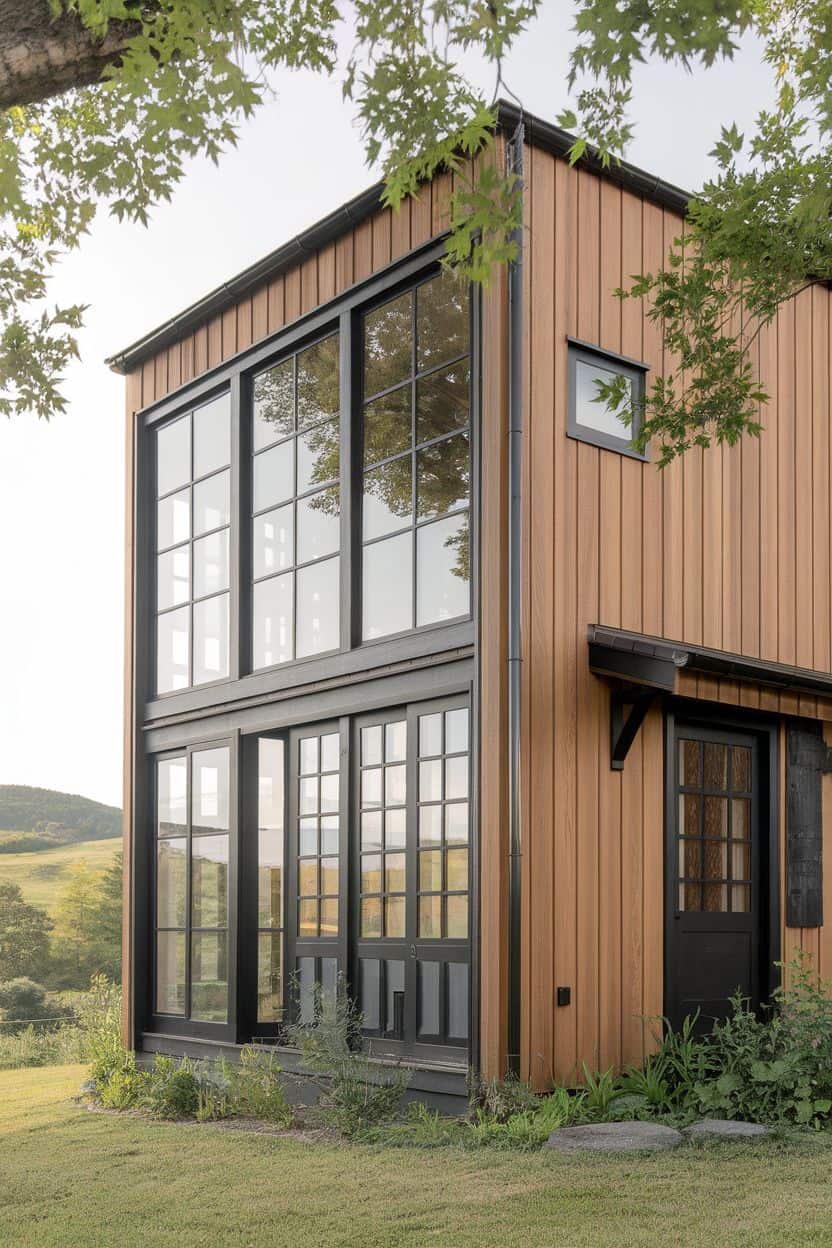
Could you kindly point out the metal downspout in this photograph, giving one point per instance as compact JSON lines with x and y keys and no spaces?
{"x":514,"y":164}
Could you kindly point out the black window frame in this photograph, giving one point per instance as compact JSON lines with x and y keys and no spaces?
{"x":636,"y":371}
{"x":343,"y":314}
{"x":184,"y":1024}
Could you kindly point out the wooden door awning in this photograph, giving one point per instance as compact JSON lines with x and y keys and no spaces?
{"x":644,"y":667}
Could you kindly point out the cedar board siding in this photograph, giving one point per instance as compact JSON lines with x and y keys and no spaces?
{"x":729,"y":548}
{"x":366,"y":249}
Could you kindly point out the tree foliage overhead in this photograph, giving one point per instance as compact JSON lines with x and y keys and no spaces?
{"x":191,"y":70}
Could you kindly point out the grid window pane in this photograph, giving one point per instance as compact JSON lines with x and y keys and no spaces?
{"x":211,"y":564}
{"x":273,"y":603}
{"x":318,"y":608}
{"x":274,"y":404}
{"x":269,"y":977}
{"x":173,"y":578}
{"x":714,"y":828}
{"x":193,"y":558}
{"x":173,"y":519}
{"x":273,"y":541}
{"x":172,"y":796}
{"x":171,"y":882}
{"x":170,"y":972}
{"x":211,"y":639}
{"x":173,"y":455}
{"x":318,"y":866}
{"x":410,"y":475}
{"x":212,"y":435}
{"x":388,"y":586}
{"x":209,"y":881}
{"x":442,"y":571}
{"x":212,"y":503}
{"x":209,"y":976}
{"x":173,"y":635}
{"x":297,"y":613}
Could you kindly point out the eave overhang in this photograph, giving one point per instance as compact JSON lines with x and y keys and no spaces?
{"x":652,"y":661}
{"x":538,"y":133}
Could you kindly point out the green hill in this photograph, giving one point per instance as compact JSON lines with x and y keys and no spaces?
{"x":41,"y":819}
{"x":42,"y":873}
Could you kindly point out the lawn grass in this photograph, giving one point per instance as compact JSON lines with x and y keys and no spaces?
{"x":42,"y":872}
{"x":76,"y":1179}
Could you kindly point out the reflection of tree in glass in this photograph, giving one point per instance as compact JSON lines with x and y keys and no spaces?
{"x":319,"y":382}
{"x":460,"y":542}
{"x":388,"y":338}
{"x":441,"y":320}
{"x":274,"y":399}
{"x":443,"y":477}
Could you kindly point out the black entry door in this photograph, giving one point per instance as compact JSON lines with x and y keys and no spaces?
{"x":714,"y":930}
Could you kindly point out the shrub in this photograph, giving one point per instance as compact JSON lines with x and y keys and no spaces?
{"x":500,"y":1099}
{"x":172,"y":1090}
{"x":257,"y":1087}
{"x":356,"y":1093}
{"x":22,"y":1002}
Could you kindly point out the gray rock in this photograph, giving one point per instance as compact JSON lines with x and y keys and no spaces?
{"x":614,"y":1137}
{"x":726,"y":1129}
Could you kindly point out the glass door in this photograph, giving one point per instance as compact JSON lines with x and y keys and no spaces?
{"x":412,"y":868}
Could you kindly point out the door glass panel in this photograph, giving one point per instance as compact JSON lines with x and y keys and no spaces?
{"x":171,"y":882}
{"x":383,"y":789}
{"x":394,"y":982}
{"x":170,"y":972}
{"x":209,"y":881}
{"x":306,"y":984}
{"x":711,"y":822}
{"x":370,"y":991}
{"x":318,"y":797}
{"x":429,"y":979}
{"x":209,"y":977}
{"x":458,"y":1000}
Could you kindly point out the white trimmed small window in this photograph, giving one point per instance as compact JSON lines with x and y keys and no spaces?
{"x":589,"y":417}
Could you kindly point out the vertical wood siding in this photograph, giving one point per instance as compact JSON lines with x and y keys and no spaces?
{"x":729,"y":548}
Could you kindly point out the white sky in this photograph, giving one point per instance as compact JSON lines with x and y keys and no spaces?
{"x":61,"y":485}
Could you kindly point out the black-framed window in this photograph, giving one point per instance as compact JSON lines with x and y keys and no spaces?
{"x":296,"y":506}
{"x":193,"y":529}
{"x":318,"y":805}
{"x":383,"y":829}
{"x":271,"y":831}
{"x":416,"y":459}
{"x":443,"y":824}
{"x":193,"y":832}
{"x":588,"y":417}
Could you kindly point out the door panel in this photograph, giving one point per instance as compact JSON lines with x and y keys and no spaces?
{"x":715,"y":844}
{"x":411,"y":859}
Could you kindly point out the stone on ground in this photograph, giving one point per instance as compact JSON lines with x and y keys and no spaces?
{"x":726,"y":1129}
{"x":614,"y":1137}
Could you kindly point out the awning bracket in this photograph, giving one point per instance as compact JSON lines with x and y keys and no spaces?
{"x":624,"y":726}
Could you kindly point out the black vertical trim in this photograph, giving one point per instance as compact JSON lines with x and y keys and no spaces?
{"x":241,"y":524}
{"x":514,"y":163}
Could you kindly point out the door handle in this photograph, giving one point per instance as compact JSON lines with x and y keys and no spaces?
{"x":413,"y":951}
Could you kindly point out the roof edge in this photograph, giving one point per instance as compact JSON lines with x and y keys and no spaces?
{"x":539,"y":133}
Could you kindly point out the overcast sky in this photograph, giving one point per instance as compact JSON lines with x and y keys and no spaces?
{"x":62,"y":485}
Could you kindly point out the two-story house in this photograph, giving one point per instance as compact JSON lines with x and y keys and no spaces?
{"x":436,"y":686}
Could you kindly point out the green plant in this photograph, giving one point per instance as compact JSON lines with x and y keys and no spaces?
{"x":256,"y":1087}
{"x":173,"y":1089}
{"x":602,"y":1089}
{"x":500,"y":1099}
{"x":125,"y":1088}
{"x":356,"y":1093}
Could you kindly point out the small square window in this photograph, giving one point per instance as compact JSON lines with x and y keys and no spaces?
{"x":589,"y":418}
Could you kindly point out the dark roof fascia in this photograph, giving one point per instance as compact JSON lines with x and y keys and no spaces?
{"x":619,"y":653}
{"x":549,"y":138}
{"x":298,"y":249}
{"x":538,"y":133}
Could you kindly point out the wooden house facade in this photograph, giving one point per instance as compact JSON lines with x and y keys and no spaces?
{"x":436,"y":689}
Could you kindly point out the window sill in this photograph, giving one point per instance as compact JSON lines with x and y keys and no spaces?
{"x":605,"y":442}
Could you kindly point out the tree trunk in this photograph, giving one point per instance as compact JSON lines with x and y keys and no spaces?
{"x":41,"y":55}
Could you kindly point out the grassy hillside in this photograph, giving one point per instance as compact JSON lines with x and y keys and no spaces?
{"x":41,"y":873}
{"x":38,"y":819}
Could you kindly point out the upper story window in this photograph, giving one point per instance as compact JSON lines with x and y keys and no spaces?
{"x":296,"y":529}
{"x":416,"y":459}
{"x":589,"y":418}
{"x":193,"y":515}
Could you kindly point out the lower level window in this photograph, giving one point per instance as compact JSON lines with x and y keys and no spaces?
{"x":192,"y":857}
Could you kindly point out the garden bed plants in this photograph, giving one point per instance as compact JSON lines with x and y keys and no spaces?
{"x":775,"y":1070}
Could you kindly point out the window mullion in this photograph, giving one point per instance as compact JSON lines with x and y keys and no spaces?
{"x":350,"y":477}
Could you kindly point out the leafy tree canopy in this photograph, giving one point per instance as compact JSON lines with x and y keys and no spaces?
{"x":24,"y":935}
{"x":186,"y":72}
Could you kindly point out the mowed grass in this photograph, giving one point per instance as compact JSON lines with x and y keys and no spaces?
{"x":70,"y":1178}
{"x":42,"y":872}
